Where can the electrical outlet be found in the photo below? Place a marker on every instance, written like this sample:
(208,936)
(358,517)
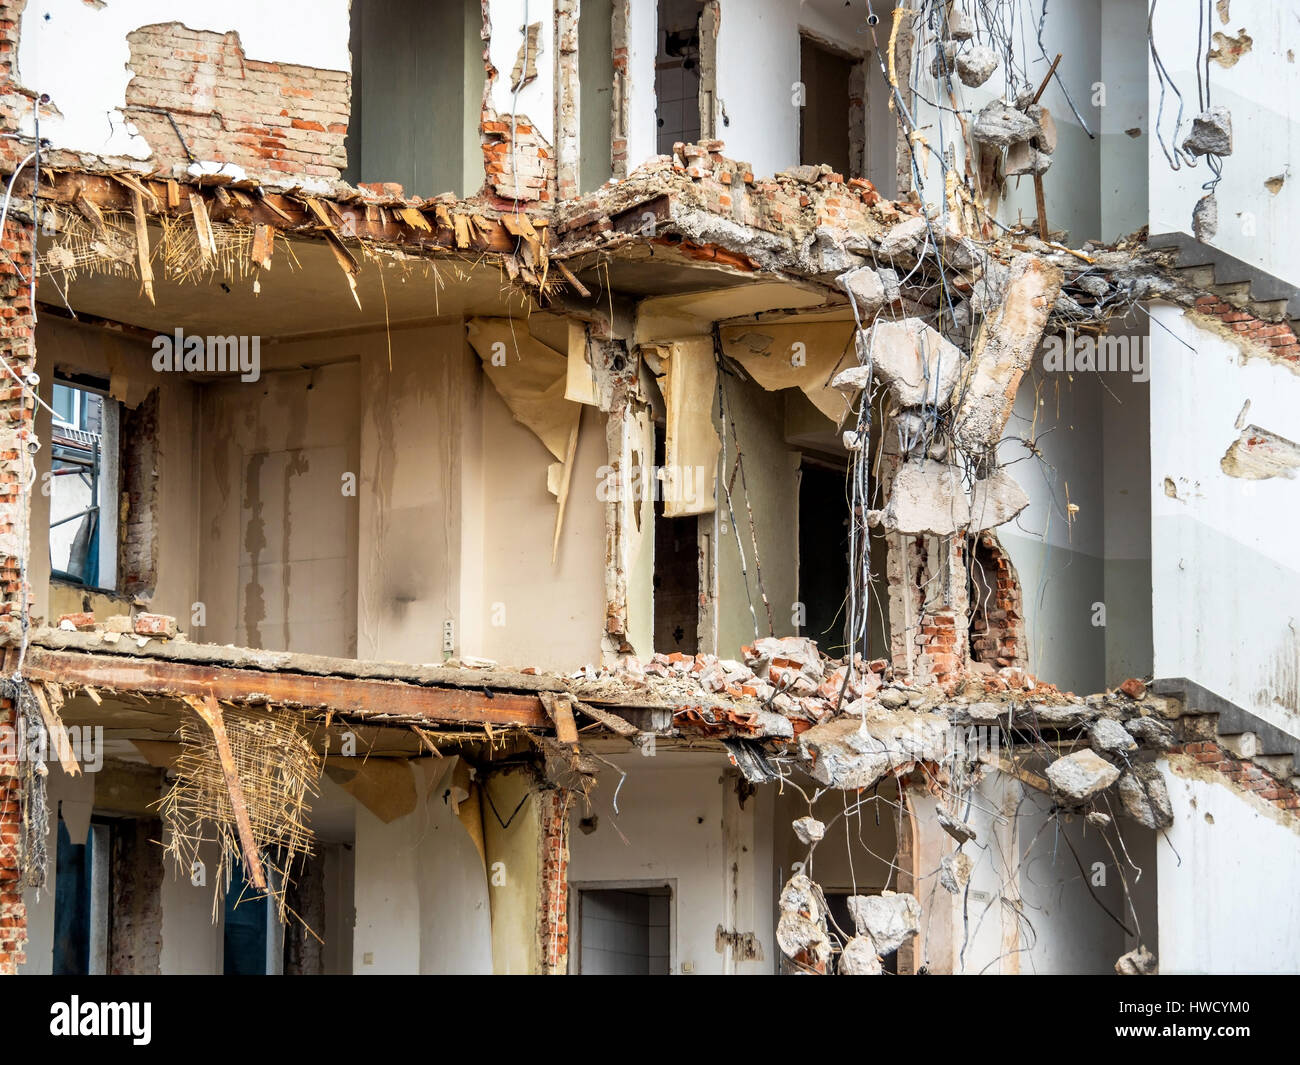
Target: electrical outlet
(449,637)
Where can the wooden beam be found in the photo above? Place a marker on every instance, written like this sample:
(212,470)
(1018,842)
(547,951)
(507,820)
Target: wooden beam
(345,695)
(210,711)
(97,193)
(560,709)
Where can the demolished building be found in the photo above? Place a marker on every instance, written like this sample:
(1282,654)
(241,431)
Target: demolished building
(871,556)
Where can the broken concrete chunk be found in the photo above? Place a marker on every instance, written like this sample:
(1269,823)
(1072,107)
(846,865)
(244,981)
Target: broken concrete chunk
(1071,715)
(995,500)
(1151,731)
(944,63)
(988,290)
(1211,133)
(961,27)
(904,238)
(1093,285)
(808,829)
(1108,736)
(977,66)
(801,931)
(843,754)
(959,830)
(929,497)
(854,379)
(889,278)
(1046,139)
(954,872)
(1145,798)
(893,698)
(1023,159)
(867,290)
(889,919)
(1002,352)
(1258,454)
(1205,217)
(859,958)
(987,712)
(1001,125)
(1078,777)
(1096,817)
(806,173)
(917,363)
(1140,962)
(119,623)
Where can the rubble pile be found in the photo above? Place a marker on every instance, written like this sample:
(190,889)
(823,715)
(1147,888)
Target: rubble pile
(141,626)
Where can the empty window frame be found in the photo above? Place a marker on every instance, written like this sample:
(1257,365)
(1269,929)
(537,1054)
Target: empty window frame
(252,936)
(823,555)
(624,930)
(832,115)
(417,95)
(596,93)
(81,902)
(676,573)
(685,72)
(83,484)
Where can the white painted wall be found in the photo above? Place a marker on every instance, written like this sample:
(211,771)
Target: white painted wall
(671,829)
(535,100)
(1255,225)
(758,68)
(77,53)
(1123,175)
(192,940)
(1059,561)
(1225,578)
(420,892)
(642,27)
(1071,184)
(1228,869)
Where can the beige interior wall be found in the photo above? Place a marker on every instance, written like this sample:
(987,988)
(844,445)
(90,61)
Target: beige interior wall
(127,362)
(770,474)
(278,559)
(551,615)
(513,862)
(412,449)
(641,568)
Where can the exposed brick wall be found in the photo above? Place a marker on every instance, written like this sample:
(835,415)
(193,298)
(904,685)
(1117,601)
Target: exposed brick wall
(1277,337)
(997,612)
(527,173)
(272,119)
(553,918)
(1245,774)
(618,106)
(138,551)
(940,642)
(18,349)
(13,911)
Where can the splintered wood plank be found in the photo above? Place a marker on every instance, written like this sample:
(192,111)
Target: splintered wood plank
(396,700)
(142,244)
(203,228)
(263,246)
(560,707)
(49,701)
(210,711)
